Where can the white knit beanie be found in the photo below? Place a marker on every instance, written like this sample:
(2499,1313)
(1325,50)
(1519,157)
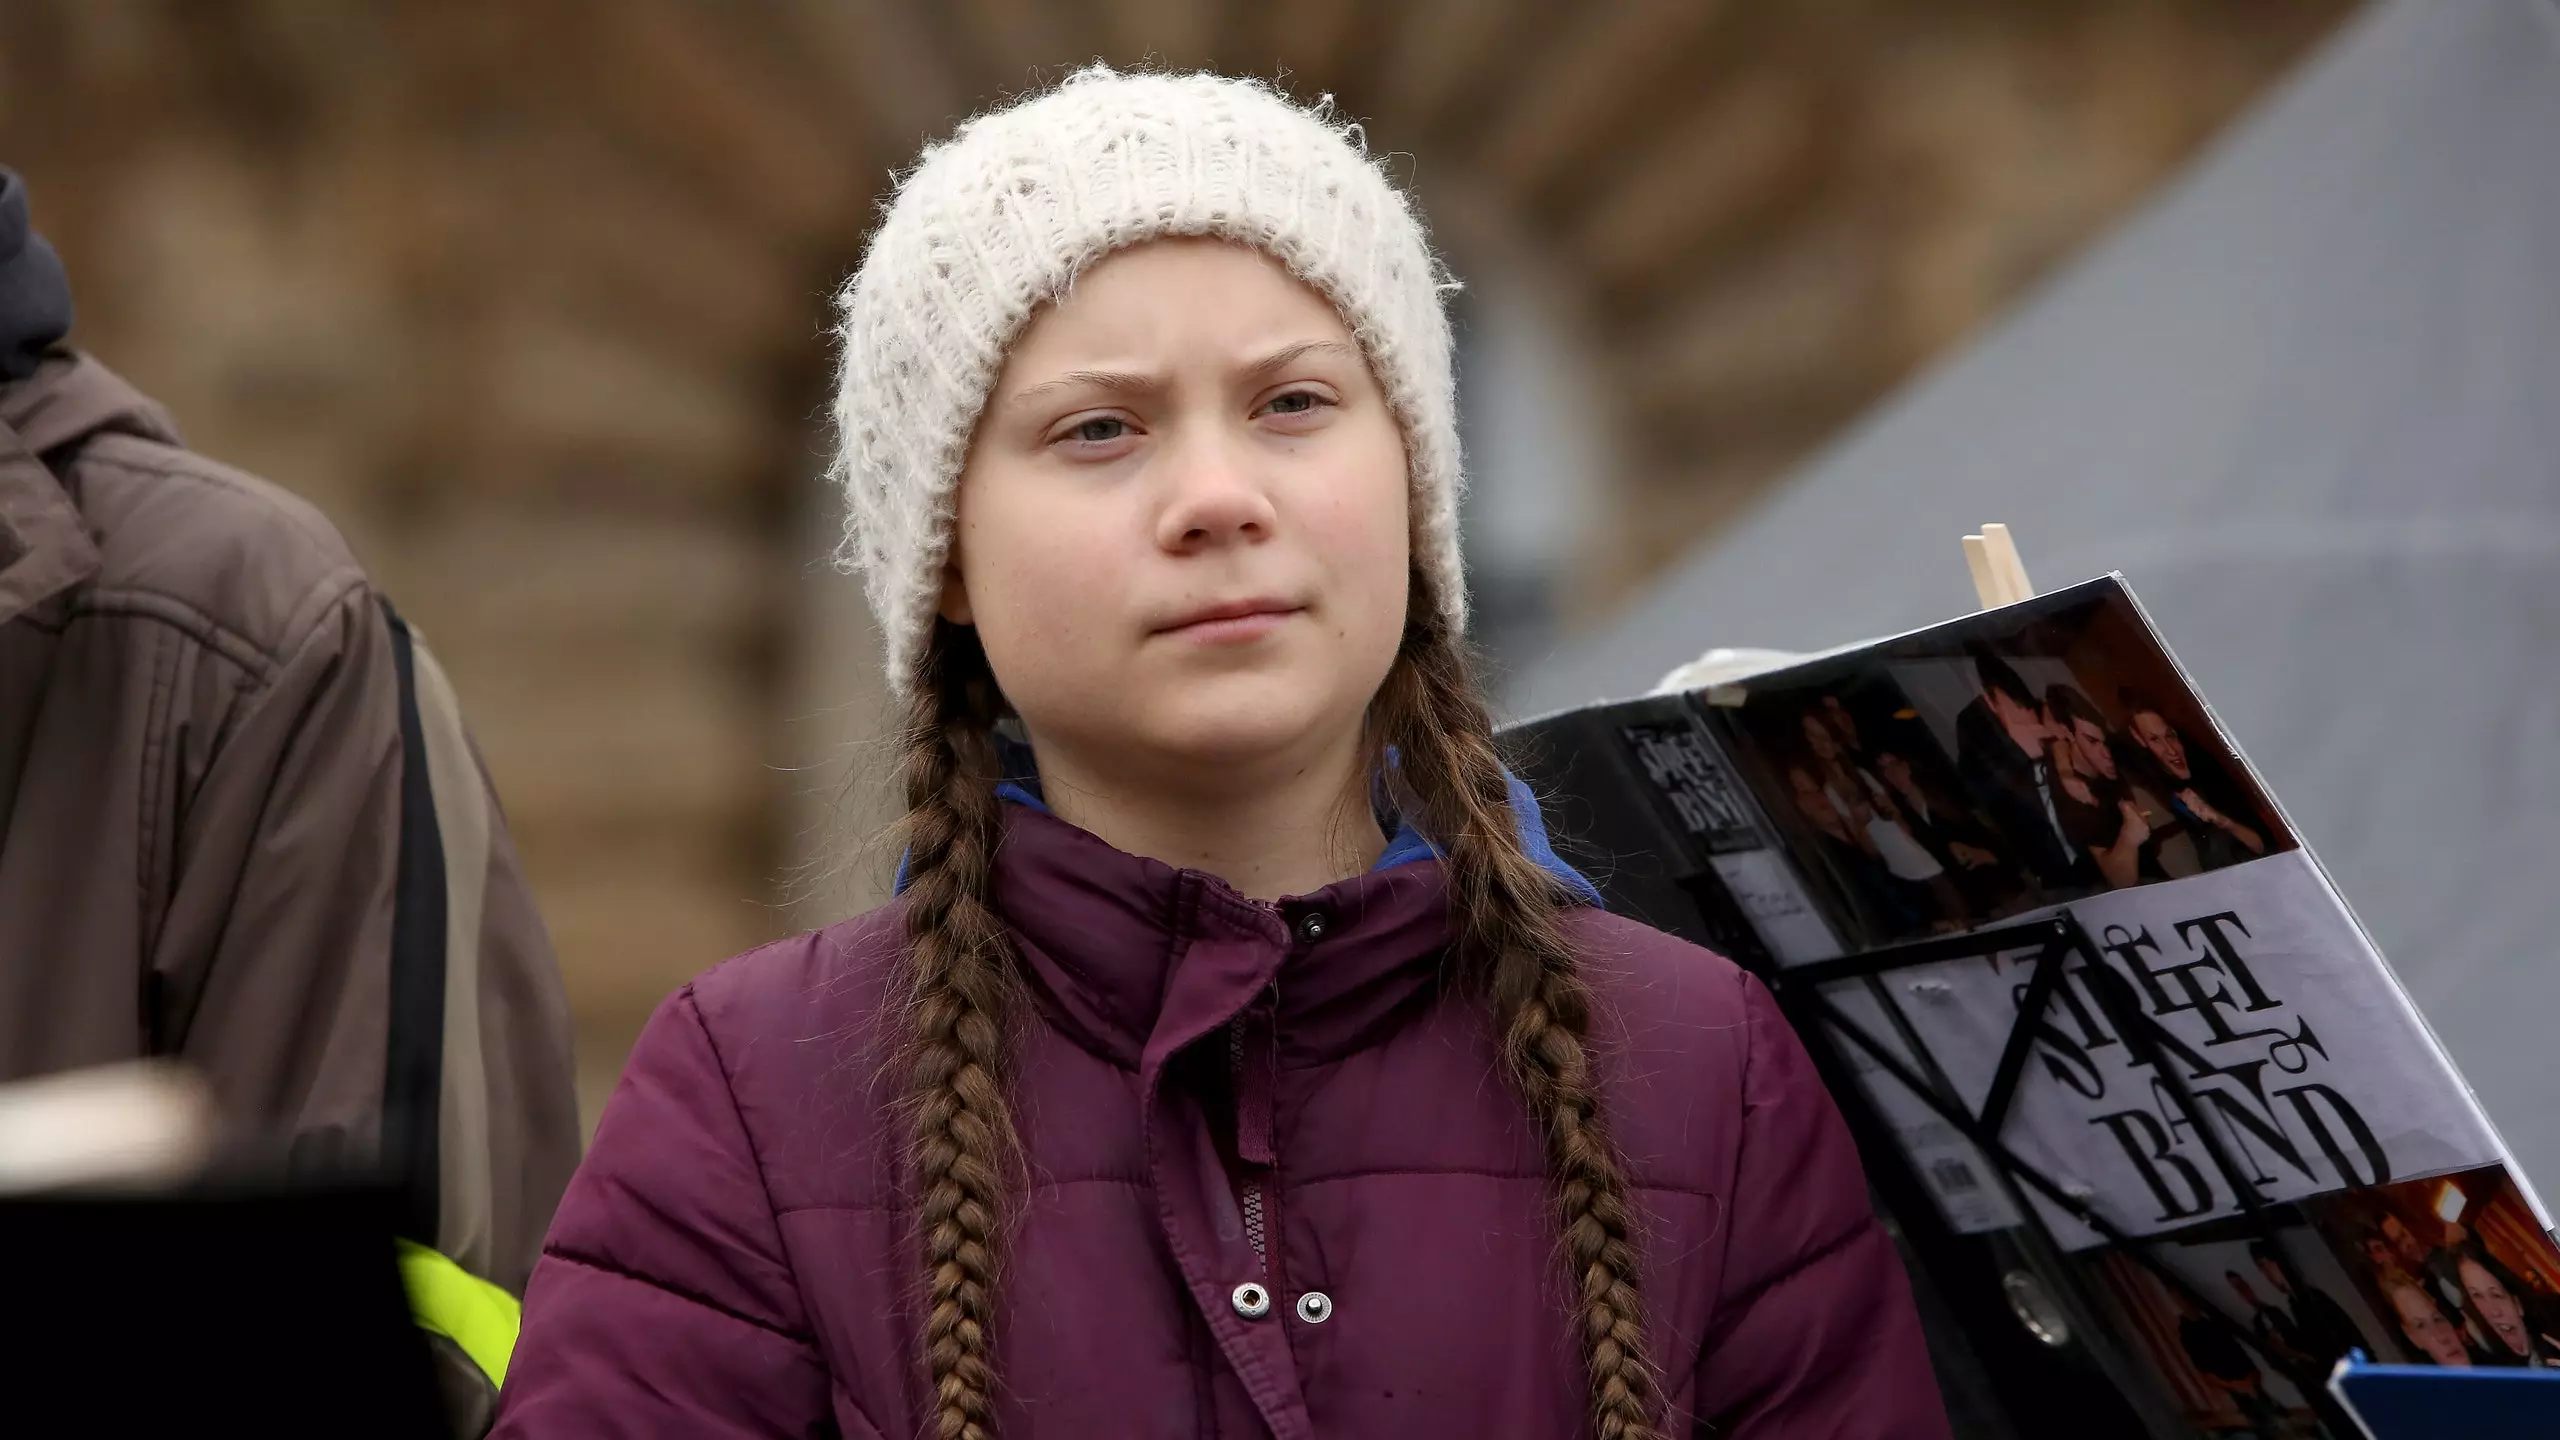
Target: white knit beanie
(1003,217)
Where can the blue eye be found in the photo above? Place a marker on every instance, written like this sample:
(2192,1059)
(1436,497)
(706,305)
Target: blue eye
(1296,402)
(1099,430)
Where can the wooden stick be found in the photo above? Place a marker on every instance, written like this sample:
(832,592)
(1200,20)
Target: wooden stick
(2003,550)
(1986,578)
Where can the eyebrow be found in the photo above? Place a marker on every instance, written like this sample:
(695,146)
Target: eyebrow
(1130,382)
(1288,355)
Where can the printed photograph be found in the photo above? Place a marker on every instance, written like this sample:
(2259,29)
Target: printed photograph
(2262,1314)
(2457,1264)
(2286,1290)
(2227,1377)
(2032,755)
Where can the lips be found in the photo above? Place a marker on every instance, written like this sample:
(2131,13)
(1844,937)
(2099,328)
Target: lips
(1231,620)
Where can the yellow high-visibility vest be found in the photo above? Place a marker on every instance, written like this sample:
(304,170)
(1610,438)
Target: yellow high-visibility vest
(447,1300)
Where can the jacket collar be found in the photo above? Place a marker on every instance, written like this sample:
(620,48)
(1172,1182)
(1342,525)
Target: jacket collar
(1116,944)
(45,545)
(1121,950)
(1405,843)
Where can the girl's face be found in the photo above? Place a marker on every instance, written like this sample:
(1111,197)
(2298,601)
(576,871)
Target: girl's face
(1183,528)
(1817,738)
(2427,1327)
(2496,1306)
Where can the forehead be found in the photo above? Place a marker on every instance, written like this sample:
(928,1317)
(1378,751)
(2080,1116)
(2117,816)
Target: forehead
(1176,297)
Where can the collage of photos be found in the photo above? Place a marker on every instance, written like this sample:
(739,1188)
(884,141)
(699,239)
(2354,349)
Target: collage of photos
(1982,769)
(2052,753)
(2451,1270)
(2457,1264)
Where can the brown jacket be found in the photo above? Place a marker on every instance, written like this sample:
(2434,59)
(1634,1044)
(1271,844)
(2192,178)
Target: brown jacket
(241,825)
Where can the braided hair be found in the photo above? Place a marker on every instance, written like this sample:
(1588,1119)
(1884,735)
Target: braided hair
(960,994)
(1511,952)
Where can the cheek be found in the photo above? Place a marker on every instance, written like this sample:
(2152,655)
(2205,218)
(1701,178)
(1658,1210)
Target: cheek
(1363,532)
(1034,589)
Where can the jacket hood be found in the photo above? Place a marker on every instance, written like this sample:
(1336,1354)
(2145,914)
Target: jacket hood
(45,545)
(35,296)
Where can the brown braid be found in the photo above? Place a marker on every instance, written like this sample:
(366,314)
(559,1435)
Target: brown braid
(1512,950)
(960,986)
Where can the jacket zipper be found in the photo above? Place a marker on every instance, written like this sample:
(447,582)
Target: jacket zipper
(1250,1192)
(1249,1196)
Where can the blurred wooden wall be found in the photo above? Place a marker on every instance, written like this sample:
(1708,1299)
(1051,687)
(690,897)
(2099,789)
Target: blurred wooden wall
(529,297)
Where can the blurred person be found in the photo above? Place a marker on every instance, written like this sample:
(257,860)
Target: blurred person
(2424,1321)
(2380,1258)
(1848,850)
(2097,809)
(1844,726)
(1213,876)
(241,827)
(2169,854)
(1936,821)
(2327,1331)
(2498,1301)
(2375,1250)
(1865,802)
(1950,831)
(2225,1363)
(2275,1329)
(2201,793)
(2432,1263)
(2102,824)
(2003,754)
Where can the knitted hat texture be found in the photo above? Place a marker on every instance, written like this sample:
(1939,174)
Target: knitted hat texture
(1002,218)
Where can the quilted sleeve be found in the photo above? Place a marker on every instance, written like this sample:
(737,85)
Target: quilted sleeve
(663,1304)
(1813,1332)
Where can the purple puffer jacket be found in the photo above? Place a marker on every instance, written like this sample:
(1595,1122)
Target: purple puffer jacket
(733,1259)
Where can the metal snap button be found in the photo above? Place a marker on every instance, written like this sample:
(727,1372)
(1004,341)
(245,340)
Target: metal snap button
(1251,1300)
(1311,927)
(1315,1307)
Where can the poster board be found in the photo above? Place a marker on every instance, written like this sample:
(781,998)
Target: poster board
(2014,879)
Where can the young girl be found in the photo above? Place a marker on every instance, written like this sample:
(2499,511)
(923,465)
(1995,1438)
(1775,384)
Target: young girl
(1237,1058)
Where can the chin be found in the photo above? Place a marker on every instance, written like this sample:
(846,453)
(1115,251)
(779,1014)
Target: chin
(1233,720)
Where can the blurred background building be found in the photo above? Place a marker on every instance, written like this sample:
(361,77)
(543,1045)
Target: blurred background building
(530,297)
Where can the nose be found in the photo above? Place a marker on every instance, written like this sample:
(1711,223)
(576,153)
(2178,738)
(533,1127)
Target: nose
(1215,499)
